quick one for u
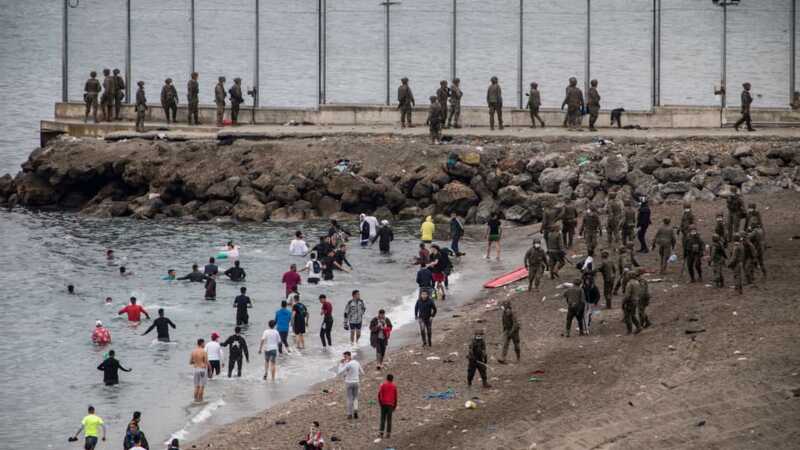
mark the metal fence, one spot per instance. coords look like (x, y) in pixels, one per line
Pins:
(304, 53)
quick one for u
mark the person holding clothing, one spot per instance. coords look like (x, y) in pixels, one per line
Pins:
(493, 235)
(89, 426)
(380, 328)
(270, 341)
(387, 400)
(351, 370)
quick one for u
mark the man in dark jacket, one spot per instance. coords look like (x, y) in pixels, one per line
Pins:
(425, 279)
(642, 223)
(510, 332)
(195, 275)
(385, 237)
(477, 358)
(456, 233)
(575, 305)
(424, 312)
(111, 368)
(238, 348)
(747, 100)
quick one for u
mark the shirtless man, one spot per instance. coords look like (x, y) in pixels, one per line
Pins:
(199, 361)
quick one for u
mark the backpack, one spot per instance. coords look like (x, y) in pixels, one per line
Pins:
(316, 266)
(301, 310)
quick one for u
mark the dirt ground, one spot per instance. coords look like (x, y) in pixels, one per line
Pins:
(734, 386)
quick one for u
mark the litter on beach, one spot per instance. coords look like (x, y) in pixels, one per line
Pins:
(433, 358)
(533, 379)
(562, 310)
(443, 395)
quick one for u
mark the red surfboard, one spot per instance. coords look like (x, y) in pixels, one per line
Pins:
(502, 280)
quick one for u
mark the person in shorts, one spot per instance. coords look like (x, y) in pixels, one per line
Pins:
(269, 345)
(299, 322)
(89, 426)
(314, 269)
(199, 361)
(493, 235)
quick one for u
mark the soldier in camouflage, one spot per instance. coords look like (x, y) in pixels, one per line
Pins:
(593, 104)
(193, 99)
(141, 107)
(219, 100)
(569, 221)
(719, 229)
(434, 121)
(630, 302)
(757, 239)
(555, 254)
(590, 228)
(405, 103)
(750, 258)
(91, 90)
(534, 103)
(535, 262)
(628, 222)
(608, 271)
(735, 212)
(693, 251)
(573, 100)
(107, 99)
(614, 210)
(747, 100)
(494, 98)
(737, 262)
(753, 217)
(119, 83)
(687, 222)
(169, 100)
(576, 302)
(717, 261)
(454, 119)
(441, 97)
(236, 99)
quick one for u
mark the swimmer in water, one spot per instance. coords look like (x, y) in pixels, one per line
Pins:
(100, 335)
(109, 300)
(123, 272)
(110, 255)
(161, 324)
(211, 288)
(236, 273)
(71, 289)
(171, 275)
(211, 269)
(134, 311)
(111, 368)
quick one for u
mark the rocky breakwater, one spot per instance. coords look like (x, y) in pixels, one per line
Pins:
(389, 176)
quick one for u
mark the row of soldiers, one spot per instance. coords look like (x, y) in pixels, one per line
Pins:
(110, 93)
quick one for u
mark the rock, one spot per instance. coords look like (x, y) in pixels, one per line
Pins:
(328, 205)
(107, 209)
(225, 190)
(423, 189)
(748, 162)
(408, 213)
(698, 194)
(535, 203)
(32, 190)
(518, 213)
(768, 171)
(523, 180)
(477, 184)
(214, 208)
(461, 170)
(667, 162)
(511, 165)
(698, 180)
(6, 185)
(615, 167)
(726, 160)
(287, 214)
(73, 200)
(394, 198)
(250, 209)
(492, 181)
(742, 151)
(734, 175)
(149, 208)
(439, 178)
(786, 154)
(264, 183)
(590, 179)
(485, 209)
(565, 191)
(674, 187)
(760, 186)
(511, 195)
(535, 165)
(175, 210)
(456, 197)
(550, 179)
(713, 184)
(339, 184)
(285, 193)
(648, 164)
(668, 174)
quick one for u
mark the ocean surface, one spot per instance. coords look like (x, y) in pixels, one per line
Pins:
(49, 375)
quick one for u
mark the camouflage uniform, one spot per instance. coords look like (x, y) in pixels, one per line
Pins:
(434, 121)
(569, 221)
(119, 83)
(629, 303)
(555, 254)
(405, 100)
(607, 269)
(625, 261)
(737, 263)
(454, 119)
(593, 104)
(747, 100)
(750, 259)
(510, 332)
(717, 262)
(169, 100)
(720, 230)
(494, 98)
(643, 303)
(687, 222)
(192, 97)
(109, 92)
(753, 218)
(236, 99)
(576, 302)
(574, 102)
(141, 107)
(628, 224)
(534, 103)
(590, 229)
(735, 214)
(550, 216)
(441, 97)
(219, 100)
(535, 262)
(91, 91)
(693, 249)
(614, 220)
(757, 239)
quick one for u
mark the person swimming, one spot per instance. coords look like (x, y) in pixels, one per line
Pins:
(70, 289)
(170, 276)
(124, 272)
(101, 335)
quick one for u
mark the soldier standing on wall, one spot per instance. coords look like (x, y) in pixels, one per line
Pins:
(405, 100)
(454, 118)
(169, 100)
(573, 100)
(91, 90)
(141, 107)
(192, 93)
(593, 104)
(107, 99)
(236, 99)
(534, 103)
(219, 99)
(747, 99)
(441, 97)
(120, 85)
(494, 98)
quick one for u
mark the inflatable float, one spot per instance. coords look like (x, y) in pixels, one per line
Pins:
(503, 280)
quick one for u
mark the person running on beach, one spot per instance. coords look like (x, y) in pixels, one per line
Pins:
(440, 264)
(353, 316)
(270, 342)
(211, 269)
(236, 273)
(215, 355)
(493, 235)
(283, 319)
(194, 276)
(242, 302)
(238, 348)
(89, 426)
(133, 311)
(351, 371)
(111, 367)
(314, 269)
(199, 361)
(387, 400)
(326, 311)
(161, 324)
(380, 328)
(313, 440)
(299, 322)
(291, 279)
(101, 335)
(424, 312)
(298, 246)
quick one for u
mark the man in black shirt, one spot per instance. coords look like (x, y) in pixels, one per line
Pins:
(111, 368)
(161, 324)
(493, 235)
(211, 269)
(238, 348)
(195, 275)
(341, 257)
(236, 273)
(241, 303)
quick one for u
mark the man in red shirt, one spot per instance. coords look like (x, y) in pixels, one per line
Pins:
(291, 279)
(134, 311)
(326, 311)
(387, 399)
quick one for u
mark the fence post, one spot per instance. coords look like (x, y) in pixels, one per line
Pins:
(588, 46)
(65, 54)
(519, 57)
(191, 20)
(656, 55)
(256, 70)
(128, 38)
(453, 42)
(793, 50)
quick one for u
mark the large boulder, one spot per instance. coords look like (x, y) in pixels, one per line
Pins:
(734, 175)
(264, 183)
(550, 179)
(615, 167)
(768, 170)
(647, 164)
(511, 195)
(698, 194)
(394, 198)
(285, 193)
(642, 183)
(107, 209)
(6, 185)
(518, 213)
(786, 154)
(590, 179)
(225, 190)
(484, 211)
(149, 208)
(742, 151)
(675, 187)
(339, 184)
(479, 186)
(32, 190)
(327, 205)
(214, 208)
(461, 170)
(667, 174)
(410, 212)
(455, 197)
(535, 203)
(423, 189)
(249, 208)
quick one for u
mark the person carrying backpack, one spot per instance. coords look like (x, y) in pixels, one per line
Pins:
(299, 322)
(314, 269)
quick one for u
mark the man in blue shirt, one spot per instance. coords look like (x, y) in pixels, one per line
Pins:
(283, 318)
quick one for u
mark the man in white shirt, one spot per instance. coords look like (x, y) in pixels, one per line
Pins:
(269, 343)
(214, 352)
(351, 370)
(298, 246)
